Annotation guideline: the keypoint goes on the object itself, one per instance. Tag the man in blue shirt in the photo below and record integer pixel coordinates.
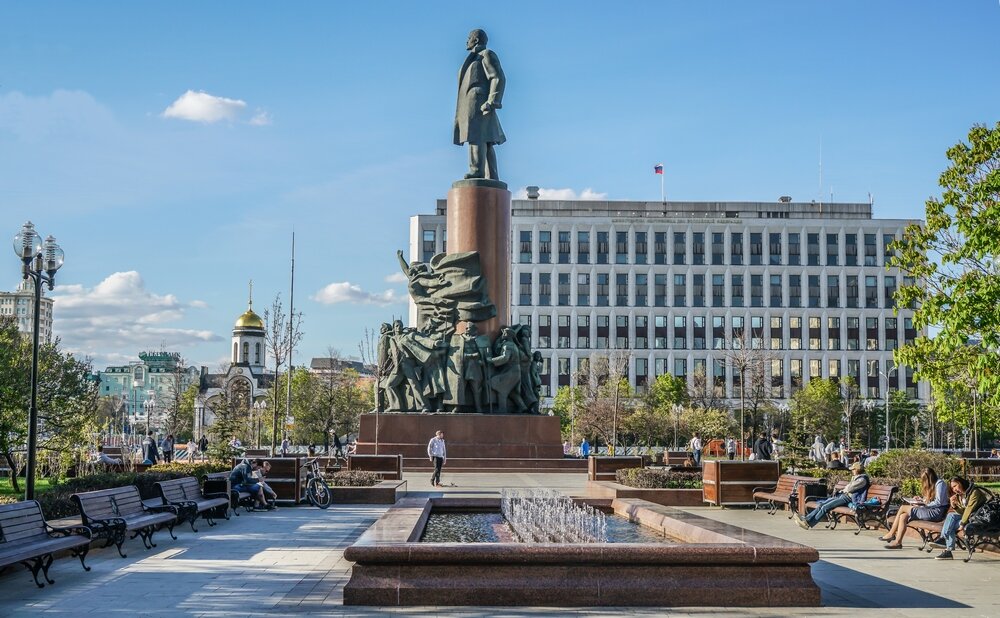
(585, 449)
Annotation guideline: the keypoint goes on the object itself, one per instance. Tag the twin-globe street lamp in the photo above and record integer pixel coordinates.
(40, 261)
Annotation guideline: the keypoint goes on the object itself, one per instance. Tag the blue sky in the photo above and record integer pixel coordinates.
(335, 119)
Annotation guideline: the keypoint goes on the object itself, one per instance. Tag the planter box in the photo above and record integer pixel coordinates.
(733, 482)
(664, 497)
(604, 468)
(389, 466)
(383, 493)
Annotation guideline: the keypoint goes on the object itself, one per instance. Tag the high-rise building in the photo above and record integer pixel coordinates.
(20, 305)
(675, 287)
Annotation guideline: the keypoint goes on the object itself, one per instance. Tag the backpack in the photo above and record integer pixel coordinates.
(986, 519)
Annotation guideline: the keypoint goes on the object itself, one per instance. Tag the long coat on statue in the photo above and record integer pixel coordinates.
(479, 79)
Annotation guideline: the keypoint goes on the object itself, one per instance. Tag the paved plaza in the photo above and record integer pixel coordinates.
(290, 563)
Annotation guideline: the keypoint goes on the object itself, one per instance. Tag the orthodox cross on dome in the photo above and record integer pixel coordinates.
(250, 301)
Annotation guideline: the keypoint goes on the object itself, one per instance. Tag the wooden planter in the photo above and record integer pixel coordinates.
(383, 493)
(604, 468)
(733, 482)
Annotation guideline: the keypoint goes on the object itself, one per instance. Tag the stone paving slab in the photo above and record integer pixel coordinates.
(290, 563)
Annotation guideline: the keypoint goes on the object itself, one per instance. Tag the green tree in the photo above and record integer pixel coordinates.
(67, 400)
(184, 421)
(666, 391)
(709, 424)
(816, 410)
(565, 403)
(231, 411)
(953, 277)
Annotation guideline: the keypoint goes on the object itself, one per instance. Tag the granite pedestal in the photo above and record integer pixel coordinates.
(476, 442)
(479, 220)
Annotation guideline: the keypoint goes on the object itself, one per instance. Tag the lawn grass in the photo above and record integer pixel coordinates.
(7, 490)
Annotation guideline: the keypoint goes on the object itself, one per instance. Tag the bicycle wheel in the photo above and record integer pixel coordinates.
(318, 493)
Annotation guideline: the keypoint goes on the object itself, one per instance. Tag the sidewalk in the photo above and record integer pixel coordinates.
(290, 563)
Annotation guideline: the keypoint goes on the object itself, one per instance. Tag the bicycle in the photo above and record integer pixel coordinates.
(317, 491)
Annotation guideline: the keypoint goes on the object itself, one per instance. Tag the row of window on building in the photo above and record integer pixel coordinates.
(690, 248)
(694, 333)
(665, 290)
(782, 376)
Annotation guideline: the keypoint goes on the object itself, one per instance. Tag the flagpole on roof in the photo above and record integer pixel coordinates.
(658, 169)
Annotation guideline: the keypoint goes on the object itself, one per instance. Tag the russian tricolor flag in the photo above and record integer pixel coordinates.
(658, 168)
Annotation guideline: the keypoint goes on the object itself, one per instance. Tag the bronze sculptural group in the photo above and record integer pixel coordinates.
(432, 372)
(436, 368)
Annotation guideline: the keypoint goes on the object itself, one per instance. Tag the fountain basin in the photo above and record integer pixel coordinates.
(712, 564)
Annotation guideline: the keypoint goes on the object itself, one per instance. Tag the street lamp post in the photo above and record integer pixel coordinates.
(40, 261)
(149, 407)
(887, 375)
(869, 405)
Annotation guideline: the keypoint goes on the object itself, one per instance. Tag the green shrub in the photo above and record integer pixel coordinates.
(646, 478)
(56, 502)
(908, 463)
(354, 478)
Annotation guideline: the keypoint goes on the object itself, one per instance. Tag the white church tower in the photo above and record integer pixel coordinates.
(248, 340)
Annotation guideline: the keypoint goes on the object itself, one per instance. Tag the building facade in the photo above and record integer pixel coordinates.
(145, 389)
(677, 286)
(20, 305)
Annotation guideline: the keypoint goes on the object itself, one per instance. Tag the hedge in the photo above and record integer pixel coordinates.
(354, 478)
(647, 478)
(56, 501)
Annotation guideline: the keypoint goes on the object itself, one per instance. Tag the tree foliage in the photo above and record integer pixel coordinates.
(816, 410)
(327, 403)
(67, 399)
(953, 277)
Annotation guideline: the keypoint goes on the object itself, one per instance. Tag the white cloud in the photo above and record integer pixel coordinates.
(562, 194)
(347, 292)
(119, 317)
(204, 107)
(261, 119)
(396, 278)
(67, 114)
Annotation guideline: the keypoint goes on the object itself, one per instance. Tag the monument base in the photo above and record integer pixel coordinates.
(476, 442)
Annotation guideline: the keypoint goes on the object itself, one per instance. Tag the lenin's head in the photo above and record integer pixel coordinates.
(476, 37)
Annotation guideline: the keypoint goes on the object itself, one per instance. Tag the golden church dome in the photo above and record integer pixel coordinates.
(249, 320)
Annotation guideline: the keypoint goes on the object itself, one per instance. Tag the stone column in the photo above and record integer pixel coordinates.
(479, 220)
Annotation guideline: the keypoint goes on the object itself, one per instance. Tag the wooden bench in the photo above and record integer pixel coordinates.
(218, 483)
(785, 491)
(26, 538)
(191, 502)
(113, 513)
(877, 513)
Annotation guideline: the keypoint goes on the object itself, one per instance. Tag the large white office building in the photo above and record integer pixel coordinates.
(678, 285)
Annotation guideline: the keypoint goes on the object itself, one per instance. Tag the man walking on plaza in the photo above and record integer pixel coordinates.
(696, 449)
(437, 452)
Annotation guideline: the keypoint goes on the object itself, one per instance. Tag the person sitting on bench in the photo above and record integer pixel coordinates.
(104, 458)
(241, 479)
(854, 493)
(931, 506)
(260, 474)
(966, 498)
